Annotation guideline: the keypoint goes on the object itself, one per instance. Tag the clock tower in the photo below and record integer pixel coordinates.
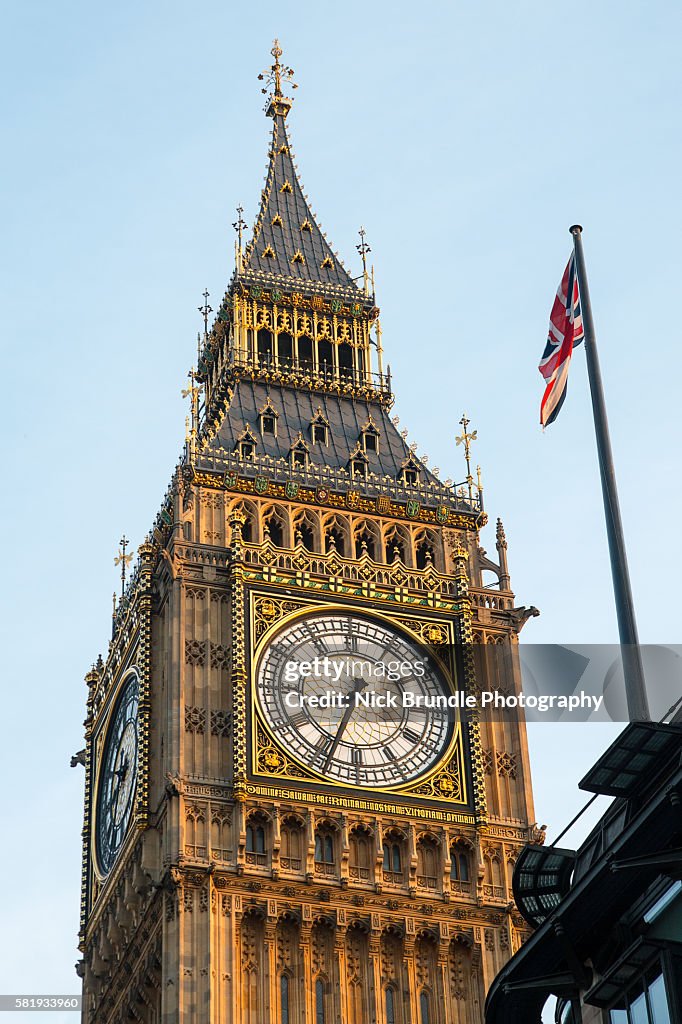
(290, 816)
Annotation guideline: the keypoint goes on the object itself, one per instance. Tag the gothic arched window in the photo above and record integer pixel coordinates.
(364, 543)
(255, 839)
(306, 534)
(285, 348)
(267, 418)
(424, 555)
(337, 535)
(390, 1006)
(291, 846)
(324, 354)
(360, 854)
(325, 860)
(274, 528)
(319, 1002)
(248, 529)
(264, 346)
(345, 353)
(358, 468)
(319, 427)
(305, 352)
(459, 863)
(284, 998)
(424, 1016)
(427, 862)
(394, 856)
(396, 547)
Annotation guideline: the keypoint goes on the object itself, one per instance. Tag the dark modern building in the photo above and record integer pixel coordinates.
(607, 917)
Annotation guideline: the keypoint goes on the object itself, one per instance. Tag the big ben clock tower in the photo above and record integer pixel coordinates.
(289, 818)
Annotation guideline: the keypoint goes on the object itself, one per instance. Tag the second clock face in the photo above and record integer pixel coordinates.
(349, 696)
(118, 776)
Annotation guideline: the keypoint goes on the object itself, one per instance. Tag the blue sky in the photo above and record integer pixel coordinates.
(466, 139)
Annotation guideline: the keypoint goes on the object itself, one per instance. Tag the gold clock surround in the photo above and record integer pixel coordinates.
(270, 615)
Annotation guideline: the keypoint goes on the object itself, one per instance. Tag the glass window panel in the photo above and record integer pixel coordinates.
(424, 1008)
(390, 1006)
(618, 1017)
(660, 1011)
(638, 1010)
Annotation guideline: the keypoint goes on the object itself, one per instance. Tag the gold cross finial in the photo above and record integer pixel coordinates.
(276, 52)
(363, 248)
(466, 438)
(192, 392)
(239, 224)
(123, 560)
(205, 310)
(273, 78)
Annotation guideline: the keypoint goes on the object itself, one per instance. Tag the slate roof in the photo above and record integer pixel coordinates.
(297, 408)
(287, 242)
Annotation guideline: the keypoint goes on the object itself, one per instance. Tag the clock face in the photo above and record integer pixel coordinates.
(349, 696)
(118, 776)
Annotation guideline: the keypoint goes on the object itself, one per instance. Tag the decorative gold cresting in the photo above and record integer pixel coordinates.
(273, 78)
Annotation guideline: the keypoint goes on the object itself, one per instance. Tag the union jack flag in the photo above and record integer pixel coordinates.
(565, 332)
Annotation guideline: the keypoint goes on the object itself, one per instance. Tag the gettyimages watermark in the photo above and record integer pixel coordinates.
(541, 682)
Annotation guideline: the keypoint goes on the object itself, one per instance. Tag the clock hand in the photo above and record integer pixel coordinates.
(358, 688)
(120, 774)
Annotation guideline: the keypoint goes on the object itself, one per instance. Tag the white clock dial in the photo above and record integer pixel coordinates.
(380, 730)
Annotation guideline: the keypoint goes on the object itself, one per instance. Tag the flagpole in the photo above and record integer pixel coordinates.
(635, 689)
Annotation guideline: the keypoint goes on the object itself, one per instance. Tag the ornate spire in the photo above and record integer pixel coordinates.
(288, 248)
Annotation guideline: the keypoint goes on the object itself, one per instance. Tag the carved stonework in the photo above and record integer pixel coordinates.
(221, 723)
(195, 719)
(219, 656)
(195, 652)
(506, 764)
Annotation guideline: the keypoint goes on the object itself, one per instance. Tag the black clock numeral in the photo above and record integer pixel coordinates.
(322, 748)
